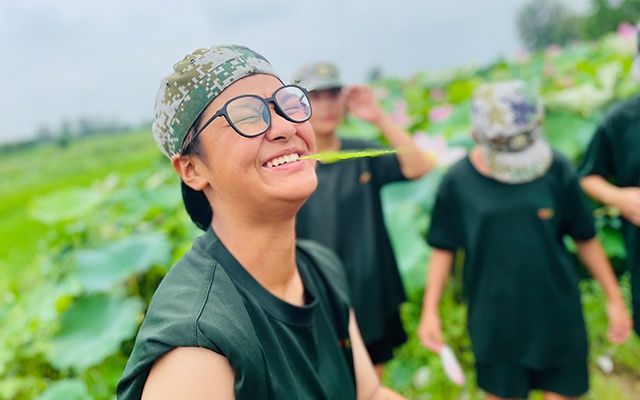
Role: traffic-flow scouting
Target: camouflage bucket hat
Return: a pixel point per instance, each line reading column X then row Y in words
column 506, row 118
column 194, row 83
column 184, row 95
column 318, row 76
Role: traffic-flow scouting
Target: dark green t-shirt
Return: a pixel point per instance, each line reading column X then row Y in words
column 614, row 153
column 345, row 214
column 276, row 350
column 520, row 280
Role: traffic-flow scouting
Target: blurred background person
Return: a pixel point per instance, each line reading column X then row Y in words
column 610, row 174
column 507, row 206
column 345, row 211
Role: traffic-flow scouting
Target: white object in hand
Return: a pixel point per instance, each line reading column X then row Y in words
column 451, row 365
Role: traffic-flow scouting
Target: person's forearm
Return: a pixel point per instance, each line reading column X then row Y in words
column 598, row 188
column 384, row 393
column 439, row 269
column 413, row 162
column 596, row 261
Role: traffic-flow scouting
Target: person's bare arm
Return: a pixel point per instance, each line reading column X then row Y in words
column 430, row 329
column 363, row 104
column 593, row 256
column 367, row 383
column 190, row 373
column 626, row 199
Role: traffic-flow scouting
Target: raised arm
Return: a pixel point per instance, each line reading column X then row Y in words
column 363, row 104
column 430, row 328
column 625, row 199
column 593, row 256
column 190, row 373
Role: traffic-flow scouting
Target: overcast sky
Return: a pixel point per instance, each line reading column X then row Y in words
column 67, row 59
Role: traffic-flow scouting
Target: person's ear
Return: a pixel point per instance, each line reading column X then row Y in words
column 188, row 167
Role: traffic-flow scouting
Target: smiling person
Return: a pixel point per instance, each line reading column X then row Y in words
column 248, row 312
column 509, row 206
column 345, row 211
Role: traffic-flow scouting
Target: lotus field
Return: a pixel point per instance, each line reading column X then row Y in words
column 82, row 255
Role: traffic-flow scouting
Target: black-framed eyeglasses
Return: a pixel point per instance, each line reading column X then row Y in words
column 249, row 114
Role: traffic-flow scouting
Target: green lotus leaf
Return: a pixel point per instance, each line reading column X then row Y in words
column 569, row 133
column 92, row 329
column 102, row 268
column 68, row 389
column 65, row 205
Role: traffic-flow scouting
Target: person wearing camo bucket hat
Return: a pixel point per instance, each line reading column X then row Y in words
column 249, row 312
column 508, row 207
column 506, row 120
column 610, row 174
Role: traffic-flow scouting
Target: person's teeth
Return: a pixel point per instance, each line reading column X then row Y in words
column 283, row 160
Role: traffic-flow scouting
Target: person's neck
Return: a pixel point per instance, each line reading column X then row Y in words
column 478, row 162
column 329, row 142
column 265, row 247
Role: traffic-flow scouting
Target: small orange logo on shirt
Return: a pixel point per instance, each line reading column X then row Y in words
column 365, row 177
column 545, row 213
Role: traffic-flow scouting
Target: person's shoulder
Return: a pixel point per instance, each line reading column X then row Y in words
column 461, row 169
column 624, row 110
column 326, row 262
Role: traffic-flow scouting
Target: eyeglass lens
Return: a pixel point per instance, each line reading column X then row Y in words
column 251, row 116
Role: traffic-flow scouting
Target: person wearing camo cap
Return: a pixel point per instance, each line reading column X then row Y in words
column 345, row 211
column 610, row 174
column 248, row 312
column 506, row 209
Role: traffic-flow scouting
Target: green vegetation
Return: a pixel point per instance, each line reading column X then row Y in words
column 550, row 22
column 90, row 228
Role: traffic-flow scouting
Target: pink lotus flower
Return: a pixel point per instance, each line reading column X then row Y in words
column 436, row 147
column 436, row 94
column 440, row 113
column 627, row 30
column 399, row 113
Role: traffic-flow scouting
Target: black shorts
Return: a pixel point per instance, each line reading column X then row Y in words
column 381, row 350
column 512, row 381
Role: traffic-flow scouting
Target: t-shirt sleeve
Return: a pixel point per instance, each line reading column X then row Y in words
column 597, row 159
column 444, row 229
column 578, row 217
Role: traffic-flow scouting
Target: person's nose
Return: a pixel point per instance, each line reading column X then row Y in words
column 281, row 128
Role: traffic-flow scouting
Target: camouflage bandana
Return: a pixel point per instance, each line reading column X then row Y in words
column 506, row 118
column 318, row 76
column 195, row 82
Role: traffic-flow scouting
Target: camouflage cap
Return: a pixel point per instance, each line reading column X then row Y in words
column 318, row 76
column 506, row 118
column 194, row 83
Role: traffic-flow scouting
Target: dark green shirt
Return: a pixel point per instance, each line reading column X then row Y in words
column 614, row 153
column 520, row 280
column 276, row 350
column 345, row 214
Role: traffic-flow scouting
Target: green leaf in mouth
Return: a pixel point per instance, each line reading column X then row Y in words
column 327, row 157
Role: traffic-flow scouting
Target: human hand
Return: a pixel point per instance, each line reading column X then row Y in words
column 362, row 103
column 628, row 202
column 620, row 323
column 430, row 331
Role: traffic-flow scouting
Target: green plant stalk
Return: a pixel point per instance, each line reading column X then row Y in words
column 327, row 157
